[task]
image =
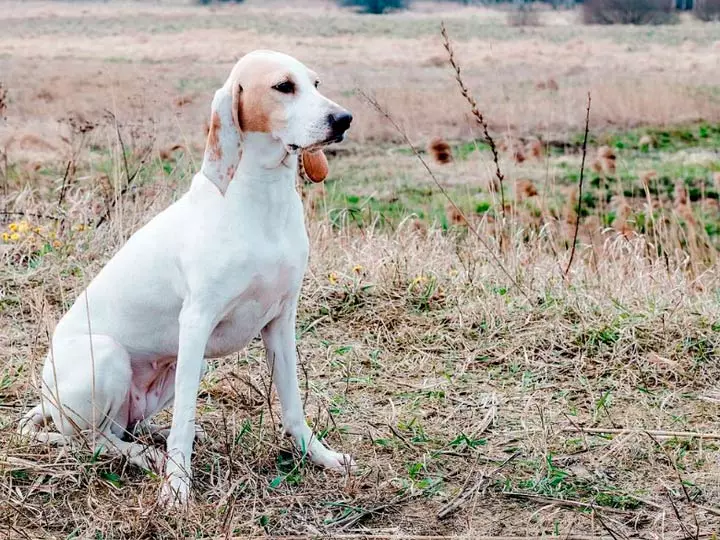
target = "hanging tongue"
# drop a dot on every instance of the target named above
(315, 164)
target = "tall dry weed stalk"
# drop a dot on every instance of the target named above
(143, 154)
(479, 118)
(3, 101)
(455, 208)
(3, 152)
(580, 187)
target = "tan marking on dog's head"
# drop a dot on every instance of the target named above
(259, 108)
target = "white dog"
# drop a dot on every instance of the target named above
(203, 278)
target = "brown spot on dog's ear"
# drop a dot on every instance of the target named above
(213, 140)
(315, 165)
(237, 105)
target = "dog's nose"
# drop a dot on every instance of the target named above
(340, 122)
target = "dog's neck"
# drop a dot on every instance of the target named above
(264, 165)
(266, 173)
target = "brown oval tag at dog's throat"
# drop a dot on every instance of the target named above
(315, 165)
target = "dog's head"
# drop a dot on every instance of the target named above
(273, 93)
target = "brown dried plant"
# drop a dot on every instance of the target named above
(479, 118)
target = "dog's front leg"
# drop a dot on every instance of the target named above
(195, 329)
(279, 339)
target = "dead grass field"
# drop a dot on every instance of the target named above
(482, 397)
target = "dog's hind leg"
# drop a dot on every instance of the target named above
(86, 387)
(86, 383)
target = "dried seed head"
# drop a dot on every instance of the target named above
(525, 188)
(79, 124)
(647, 177)
(609, 166)
(440, 150)
(535, 148)
(570, 210)
(680, 195)
(605, 152)
(454, 216)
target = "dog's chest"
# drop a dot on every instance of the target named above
(266, 295)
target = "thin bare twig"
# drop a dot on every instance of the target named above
(10, 213)
(129, 177)
(564, 502)
(64, 183)
(689, 500)
(374, 103)
(479, 118)
(466, 494)
(650, 432)
(580, 190)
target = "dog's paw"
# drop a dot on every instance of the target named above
(175, 492)
(329, 459)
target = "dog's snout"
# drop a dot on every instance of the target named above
(340, 122)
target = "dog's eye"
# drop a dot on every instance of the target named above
(317, 83)
(286, 87)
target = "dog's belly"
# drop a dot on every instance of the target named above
(151, 389)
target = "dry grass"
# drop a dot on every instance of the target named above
(476, 402)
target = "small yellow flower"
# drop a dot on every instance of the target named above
(6, 237)
(332, 278)
(13, 227)
(357, 269)
(37, 230)
(23, 227)
(14, 237)
(418, 280)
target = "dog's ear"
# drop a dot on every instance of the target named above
(315, 165)
(223, 150)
